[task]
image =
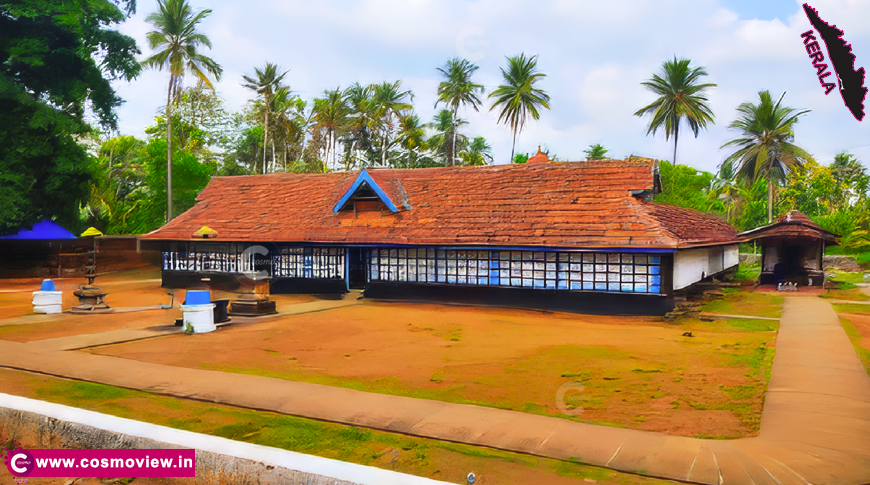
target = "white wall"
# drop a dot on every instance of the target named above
(693, 265)
(732, 256)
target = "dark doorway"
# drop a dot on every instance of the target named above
(791, 256)
(357, 268)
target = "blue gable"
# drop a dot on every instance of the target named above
(364, 177)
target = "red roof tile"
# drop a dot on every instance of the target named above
(539, 157)
(575, 204)
(792, 225)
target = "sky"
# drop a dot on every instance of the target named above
(595, 56)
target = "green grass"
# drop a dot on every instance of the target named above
(418, 456)
(853, 294)
(752, 325)
(747, 303)
(748, 272)
(856, 338)
(844, 277)
(851, 308)
(743, 400)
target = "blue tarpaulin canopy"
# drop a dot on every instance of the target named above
(42, 230)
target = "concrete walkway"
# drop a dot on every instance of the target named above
(815, 427)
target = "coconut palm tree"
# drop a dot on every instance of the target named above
(446, 133)
(331, 112)
(680, 97)
(265, 82)
(288, 121)
(518, 98)
(457, 90)
(596, 152)
(478, 152)
(389, 104)
(176, 41)
(765, 147)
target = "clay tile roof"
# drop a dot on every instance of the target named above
(539, 157)
(692, 227)
(585, 204)
(793, 224)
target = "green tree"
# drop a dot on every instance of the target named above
(176, 41)
(117, 173)
(457, 90)
(389, 104)
(680, 97)
(361, 128)
(412, 139)
(595, 152)
(146, 213)
(57, 61)
(692, 188)
(765, 147)
(852, 177)
(331, 112)
(290, 123)
(518, 98)
(265, 83)
(446, 129)
(521, 158)
(477, 153)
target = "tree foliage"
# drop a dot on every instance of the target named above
(57, 61)
(765, 145)
(519, 97)
(680, 98)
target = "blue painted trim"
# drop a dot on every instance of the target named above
(365, 177)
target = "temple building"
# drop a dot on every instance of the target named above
(571, 236)
(792, 249)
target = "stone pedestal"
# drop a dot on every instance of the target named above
(252, 305)
(90, 300)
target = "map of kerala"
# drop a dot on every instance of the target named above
(851, 81)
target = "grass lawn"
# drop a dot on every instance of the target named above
(637, 372)
(847, 291)
(423, 457)
(744, 302)
(845, 277)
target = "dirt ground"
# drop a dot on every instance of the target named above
(637, 372)
(133, 288)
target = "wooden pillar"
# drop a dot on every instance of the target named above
(821, 255)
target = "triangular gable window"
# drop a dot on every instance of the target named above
(364, 188)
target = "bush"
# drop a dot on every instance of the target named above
(863, 258)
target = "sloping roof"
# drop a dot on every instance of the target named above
(574, 204)
(794, 224)
(42, 230)
(692, 227)
(539, 157)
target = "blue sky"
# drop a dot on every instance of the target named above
(595, 55)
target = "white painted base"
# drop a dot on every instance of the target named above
(364, 475)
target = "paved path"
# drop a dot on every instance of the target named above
(815, 427)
